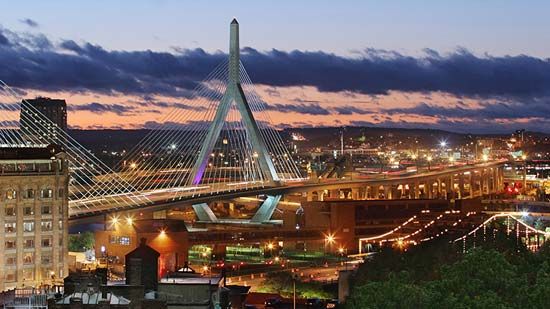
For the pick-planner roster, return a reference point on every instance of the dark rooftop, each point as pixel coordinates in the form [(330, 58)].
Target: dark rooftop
[(28, 153)]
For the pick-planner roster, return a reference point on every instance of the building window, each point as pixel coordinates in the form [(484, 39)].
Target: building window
[(28, 210), (10, 227), (60, 209), (46, 210), (11, 194), (28, 274), (46, 225), (28, 226), (61, 225), (124, 240), (10, 244), (11, 260), (46, 193), (10, 211), (10, 277), (60, 193), (119, 240), (46, 242), (29, 194), (28, 243), (46, 258)]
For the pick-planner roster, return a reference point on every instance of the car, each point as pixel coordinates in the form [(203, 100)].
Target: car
[(332, 303)]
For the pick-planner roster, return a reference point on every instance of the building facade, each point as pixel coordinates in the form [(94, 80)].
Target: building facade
[(33, 216), (47, 127)]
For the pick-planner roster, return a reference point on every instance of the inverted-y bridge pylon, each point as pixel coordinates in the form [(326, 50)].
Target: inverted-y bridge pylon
[(234, 93), (218, 140)]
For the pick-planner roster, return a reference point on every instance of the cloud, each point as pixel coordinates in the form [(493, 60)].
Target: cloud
[(309, 109), (35, 62), (29, 22), (500, 110), (3, 39), (100, 108), (507, 87), (349, 110)]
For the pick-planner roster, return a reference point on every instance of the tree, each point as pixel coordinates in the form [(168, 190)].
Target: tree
[(81, 242)]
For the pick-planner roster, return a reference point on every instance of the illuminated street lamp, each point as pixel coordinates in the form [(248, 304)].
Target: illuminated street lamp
[(114, 220), (133, 165), (329, 240), (270, 246), (130, 220)]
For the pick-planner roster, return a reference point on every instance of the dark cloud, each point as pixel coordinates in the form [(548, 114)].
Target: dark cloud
[(377, 72), (100, 108), (29, 22), (519, 84), (3, 39), (33, 62), (349, 110), (310, 109), (500, 110)]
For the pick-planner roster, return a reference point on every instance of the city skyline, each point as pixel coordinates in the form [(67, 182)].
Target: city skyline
[(486, 86)]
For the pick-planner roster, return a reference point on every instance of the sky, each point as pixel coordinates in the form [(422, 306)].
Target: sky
[(463, 66)]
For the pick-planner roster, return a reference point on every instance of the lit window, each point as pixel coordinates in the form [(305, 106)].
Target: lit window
[(11, 194), (46, 225), (46, 193), (29, 194), (10, 227), (28, 226)]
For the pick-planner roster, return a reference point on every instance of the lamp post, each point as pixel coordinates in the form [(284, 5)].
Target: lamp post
[(329, 239), (294, 278)]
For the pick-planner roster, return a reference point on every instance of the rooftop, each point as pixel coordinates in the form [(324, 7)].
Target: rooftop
[(28, 153)]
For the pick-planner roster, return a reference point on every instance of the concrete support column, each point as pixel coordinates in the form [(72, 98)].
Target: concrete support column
[(387, 192), (428, 187), (471, 180), (451, 186), (487, 176), (460, 185), (321, 195), (355, 194), (416, 190), (309, 196)]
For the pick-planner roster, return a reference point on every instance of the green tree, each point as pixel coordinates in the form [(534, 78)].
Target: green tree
[(81, 242)]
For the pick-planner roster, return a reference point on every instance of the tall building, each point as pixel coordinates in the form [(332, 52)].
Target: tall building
[(44, 128), (33, 216)]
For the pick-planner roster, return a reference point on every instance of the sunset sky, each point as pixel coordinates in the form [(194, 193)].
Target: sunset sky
[(471, 66)]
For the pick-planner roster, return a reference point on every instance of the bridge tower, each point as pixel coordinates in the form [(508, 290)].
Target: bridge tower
[(234, 94)]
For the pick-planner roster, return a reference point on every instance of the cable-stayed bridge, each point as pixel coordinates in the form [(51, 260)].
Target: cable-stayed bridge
[(219, 144), (220, 141)]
